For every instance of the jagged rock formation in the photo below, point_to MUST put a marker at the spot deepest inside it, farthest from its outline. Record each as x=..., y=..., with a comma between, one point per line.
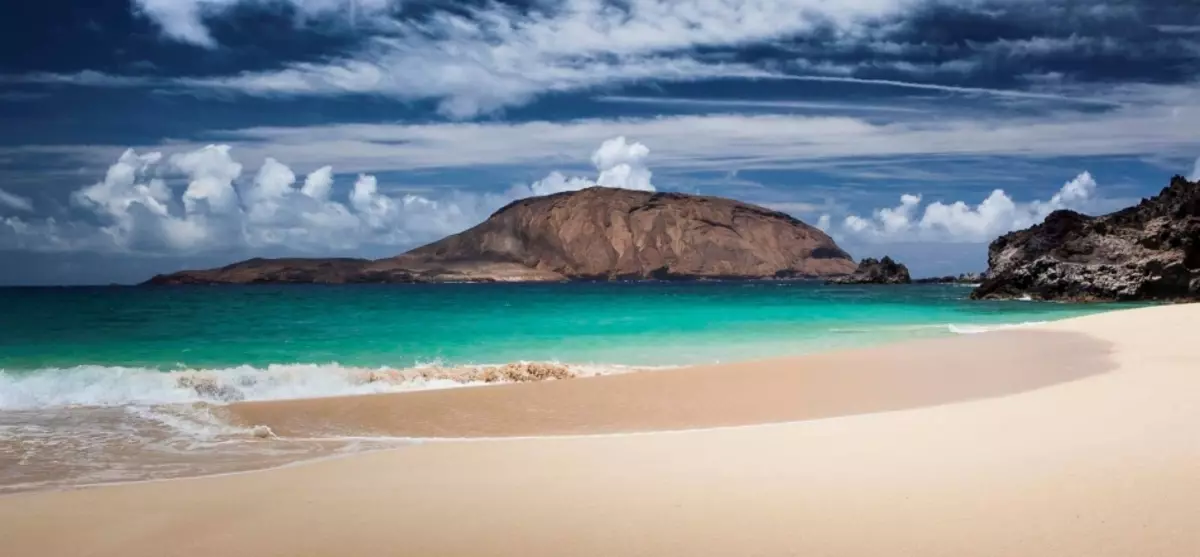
x=1147, y=252
x=592, y=234
x=872, y=271
x=964, y=278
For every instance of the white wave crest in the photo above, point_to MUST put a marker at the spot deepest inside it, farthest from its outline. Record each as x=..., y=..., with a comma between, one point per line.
x=976, y=329
x=114, y=386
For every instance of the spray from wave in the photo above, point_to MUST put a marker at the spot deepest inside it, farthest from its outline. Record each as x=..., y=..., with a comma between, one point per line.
x=116, y=386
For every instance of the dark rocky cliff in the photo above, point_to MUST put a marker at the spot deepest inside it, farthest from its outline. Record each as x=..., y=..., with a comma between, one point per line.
x=873, y=271
x=597, y=233
x=1150, y=251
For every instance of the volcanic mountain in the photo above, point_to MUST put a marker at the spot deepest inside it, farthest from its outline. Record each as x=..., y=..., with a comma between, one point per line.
x=592, y=234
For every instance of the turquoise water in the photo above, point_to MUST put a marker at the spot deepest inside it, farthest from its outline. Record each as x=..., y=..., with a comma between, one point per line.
x=99, y=384
x=112, y=346
x=402, y=326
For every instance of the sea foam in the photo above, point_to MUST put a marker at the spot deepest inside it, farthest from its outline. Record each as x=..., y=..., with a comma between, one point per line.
x=976, y=329
x=91, y=385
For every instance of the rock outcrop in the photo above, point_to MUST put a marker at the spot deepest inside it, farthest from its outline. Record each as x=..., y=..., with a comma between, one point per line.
x=592, y=234
x=1150, y=251
x=964, y=278
x=872, y=271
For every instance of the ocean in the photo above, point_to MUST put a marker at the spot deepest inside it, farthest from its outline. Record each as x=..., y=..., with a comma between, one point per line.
x=123, y=384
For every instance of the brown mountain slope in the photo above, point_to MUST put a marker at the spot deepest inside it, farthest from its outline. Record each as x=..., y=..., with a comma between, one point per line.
x=597, y=233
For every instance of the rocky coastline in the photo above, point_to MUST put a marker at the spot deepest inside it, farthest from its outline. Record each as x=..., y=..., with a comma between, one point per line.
x=1150, y=251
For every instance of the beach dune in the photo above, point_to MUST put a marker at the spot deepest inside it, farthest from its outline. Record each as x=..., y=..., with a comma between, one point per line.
x=1079, y=437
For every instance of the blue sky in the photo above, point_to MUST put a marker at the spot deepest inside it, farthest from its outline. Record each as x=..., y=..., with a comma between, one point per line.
x=144, y=136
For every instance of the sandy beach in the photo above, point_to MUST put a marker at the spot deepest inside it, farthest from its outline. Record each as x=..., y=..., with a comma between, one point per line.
x=1075, y=438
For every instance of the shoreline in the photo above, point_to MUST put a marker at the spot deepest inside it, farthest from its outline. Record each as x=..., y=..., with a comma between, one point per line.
x=796, y=388
x=1100, y=463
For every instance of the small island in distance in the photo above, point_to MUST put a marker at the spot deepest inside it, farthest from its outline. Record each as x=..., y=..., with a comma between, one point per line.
x=593, y=234
x=1150, y=251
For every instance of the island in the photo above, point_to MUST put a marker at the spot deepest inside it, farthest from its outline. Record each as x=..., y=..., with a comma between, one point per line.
x=876, y=271
x=593, y=234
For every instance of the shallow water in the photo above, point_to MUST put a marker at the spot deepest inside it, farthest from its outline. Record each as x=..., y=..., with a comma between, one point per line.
x=119, y=384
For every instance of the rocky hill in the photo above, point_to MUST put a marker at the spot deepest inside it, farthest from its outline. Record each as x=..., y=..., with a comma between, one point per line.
x=1150, y=251
x=592, y=234
x=876, y=271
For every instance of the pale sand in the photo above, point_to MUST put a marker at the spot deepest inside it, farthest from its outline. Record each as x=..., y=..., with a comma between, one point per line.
x=1093, y=465
x=895, y=377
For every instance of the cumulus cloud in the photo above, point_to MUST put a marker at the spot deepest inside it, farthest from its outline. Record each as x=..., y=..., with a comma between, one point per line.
x=201, y=200
x=620, y=165
x=134, y=209
x=15, y=202
x=963, y=222
x=1196, y=171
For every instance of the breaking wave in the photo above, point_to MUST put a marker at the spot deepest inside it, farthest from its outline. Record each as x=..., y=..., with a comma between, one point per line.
x=936, y=328
x=976, y=329
x=92, y=385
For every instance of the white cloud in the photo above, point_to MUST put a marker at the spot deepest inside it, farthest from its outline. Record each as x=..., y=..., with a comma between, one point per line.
x=1196, y=171
x=1159, y=122
x=183, y=20
x=319, y=183
x=758, y=104
x=496, y=55
x=483, y=57
x=138, y=211
x=960, y=222
x=557, y=182
x=211, y=171
x=620, y=165
x=179, y=19
x=84, y=78
x=16, y=202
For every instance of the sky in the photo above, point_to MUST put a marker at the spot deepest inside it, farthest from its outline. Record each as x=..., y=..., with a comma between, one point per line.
x=148, y=136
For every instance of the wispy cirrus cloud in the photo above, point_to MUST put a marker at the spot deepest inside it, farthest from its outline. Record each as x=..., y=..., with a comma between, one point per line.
x=482, y=58
x=1158, y=121
x=751, y=104
x=497, y=55
x=15, y=202
x=185, y=20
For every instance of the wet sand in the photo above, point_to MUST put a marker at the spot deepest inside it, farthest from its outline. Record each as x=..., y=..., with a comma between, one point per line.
x=1093, y=451
x=894, y=377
